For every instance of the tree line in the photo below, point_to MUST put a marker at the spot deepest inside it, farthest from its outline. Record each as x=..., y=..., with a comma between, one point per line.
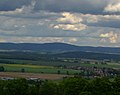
x=68, y=86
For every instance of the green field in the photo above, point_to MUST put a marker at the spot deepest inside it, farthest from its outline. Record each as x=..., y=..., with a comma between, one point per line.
x=57, y=63
x=40, y=62
x=37, y=69
x=53, y=64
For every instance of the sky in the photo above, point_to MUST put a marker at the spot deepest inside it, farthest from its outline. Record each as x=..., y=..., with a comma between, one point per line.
x=78, y=22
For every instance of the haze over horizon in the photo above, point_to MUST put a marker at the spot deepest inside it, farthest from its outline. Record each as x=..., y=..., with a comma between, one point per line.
x=77, y=22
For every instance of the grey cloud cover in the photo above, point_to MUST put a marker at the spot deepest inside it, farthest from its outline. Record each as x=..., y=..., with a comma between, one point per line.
x=7, y=5
x=81, y=6
x=81, y=22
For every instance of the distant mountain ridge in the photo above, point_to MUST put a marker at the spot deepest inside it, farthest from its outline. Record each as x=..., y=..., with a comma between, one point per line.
x=56, y=47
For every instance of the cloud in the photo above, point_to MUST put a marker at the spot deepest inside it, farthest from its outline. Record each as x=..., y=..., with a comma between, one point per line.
x=16, y=11
x=74, y=27
x=105, y=35
x=113, y=7
x=7, y=5
x=111, y=21
x=90, y=20
x=79, y=6
x=23, y=9
x=2, y=40
x=73, y=40
x=9, y=25
x=36, y=39
x=57, y=20
x=70, y=21
x=93, y=7
x=111, y=36
x=69, y=18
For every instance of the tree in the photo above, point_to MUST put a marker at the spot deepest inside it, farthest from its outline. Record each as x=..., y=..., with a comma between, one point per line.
x=2, y=69
x=16, y=87
x=22, y=70
x=73, y=86
x=58, y=72
x=68, y=86
x=116, y=86
x=85, y=93
x=48, y=88
x=2, y=86
x=67, y=72
x=100, y=86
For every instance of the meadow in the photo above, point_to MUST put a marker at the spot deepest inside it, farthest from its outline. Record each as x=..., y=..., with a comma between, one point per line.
x=37, y=69
x=39, y=63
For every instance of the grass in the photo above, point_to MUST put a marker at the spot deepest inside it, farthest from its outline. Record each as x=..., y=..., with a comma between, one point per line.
x=49, y=67
x=26, y=66
x=49, y=64
x=37, y=69
x=41, y=62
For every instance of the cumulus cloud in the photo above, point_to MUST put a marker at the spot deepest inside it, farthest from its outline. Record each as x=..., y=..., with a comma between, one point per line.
x=70, y=21
x=111, y=36
x=69, y=18
x=113, y=8
x=90, y=20
x=74, y=27
x=111, y=21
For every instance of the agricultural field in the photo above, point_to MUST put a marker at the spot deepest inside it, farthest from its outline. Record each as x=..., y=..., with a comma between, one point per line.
x=37, y=62
x=20, y=62
x=58, y=63
x=50, y=60
x=6, y=75
x=37, y=69
x=108, y=65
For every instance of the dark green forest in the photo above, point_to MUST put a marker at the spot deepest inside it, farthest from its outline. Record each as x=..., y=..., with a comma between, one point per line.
x=68, y=86
x=36, y=56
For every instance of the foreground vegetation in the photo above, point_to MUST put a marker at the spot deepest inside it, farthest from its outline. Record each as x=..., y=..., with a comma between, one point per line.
x=68, y=86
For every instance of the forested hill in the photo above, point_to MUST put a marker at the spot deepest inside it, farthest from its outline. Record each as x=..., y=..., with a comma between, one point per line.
x=21, y=55
x=56, y=47
x=88, y=55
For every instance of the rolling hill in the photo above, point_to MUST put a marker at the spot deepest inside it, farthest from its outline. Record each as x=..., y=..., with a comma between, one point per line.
x=56, y=48
x=22, y=54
